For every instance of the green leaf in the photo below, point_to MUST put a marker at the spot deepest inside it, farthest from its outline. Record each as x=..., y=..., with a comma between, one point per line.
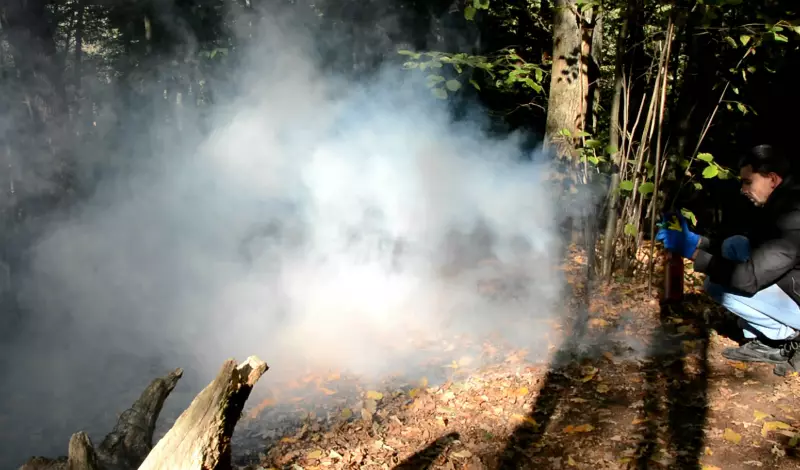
x=582, y=134
x=689, y=215
x=698, y=186
x=433, y=80
x=611, y=149
x=779, y=37
x=710, y=171
x=705, y=157
x=741, y=108
x=594, y=144
x=565, y=132
x=481, y=4
x=439, y=93
x=626, y=185
x=453, y=85
x=731, y=41
x=475, y=84
x=469, y=13
x=593, y=159
x=415, y=55
x=744, y=39
x=410, y=65
x=537, y=73
x=646, y=188
x=630, y=230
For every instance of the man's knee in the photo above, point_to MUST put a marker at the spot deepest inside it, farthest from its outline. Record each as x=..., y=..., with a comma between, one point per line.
x=736, y=248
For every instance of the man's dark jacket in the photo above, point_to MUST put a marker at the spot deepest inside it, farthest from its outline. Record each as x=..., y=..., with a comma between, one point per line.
x=774, y=248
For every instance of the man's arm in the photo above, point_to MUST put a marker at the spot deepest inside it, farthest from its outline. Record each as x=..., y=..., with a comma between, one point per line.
x=767, y=263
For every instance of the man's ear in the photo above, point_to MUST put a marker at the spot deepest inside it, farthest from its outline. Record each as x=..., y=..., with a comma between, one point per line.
x=776, y=179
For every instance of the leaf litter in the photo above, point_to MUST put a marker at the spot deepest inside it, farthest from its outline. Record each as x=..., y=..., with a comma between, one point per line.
x=609, y=409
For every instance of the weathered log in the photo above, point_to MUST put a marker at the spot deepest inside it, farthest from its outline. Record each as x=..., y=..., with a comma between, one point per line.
x=128, y=444
x=126, y=447
x=199, y=439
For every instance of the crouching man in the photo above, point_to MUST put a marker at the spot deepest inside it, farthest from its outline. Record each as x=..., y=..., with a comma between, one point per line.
x=757, y=278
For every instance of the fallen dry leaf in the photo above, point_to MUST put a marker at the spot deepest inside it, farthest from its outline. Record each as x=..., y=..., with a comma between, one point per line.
x=570, y=461
x=602, y=388
x=579, y=428
x=464, y=454
x=373, y=395
x=773, y=426
x=758, y=415
x=314, y=455
x=732, y=436
x=524, y=419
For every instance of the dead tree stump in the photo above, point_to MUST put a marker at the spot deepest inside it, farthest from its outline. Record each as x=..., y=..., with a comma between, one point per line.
x=200, y=438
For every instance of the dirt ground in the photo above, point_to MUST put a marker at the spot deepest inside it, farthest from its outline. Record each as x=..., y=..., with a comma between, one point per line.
x=646, y=387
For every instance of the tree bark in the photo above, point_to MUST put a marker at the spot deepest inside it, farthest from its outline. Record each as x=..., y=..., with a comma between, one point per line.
x=199, y=440
x=567, y=103
x=609, y=237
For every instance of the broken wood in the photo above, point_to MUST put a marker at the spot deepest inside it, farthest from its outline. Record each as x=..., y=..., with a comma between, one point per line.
x=200, y=438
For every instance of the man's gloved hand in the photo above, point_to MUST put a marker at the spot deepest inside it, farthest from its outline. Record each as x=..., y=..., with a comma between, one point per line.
x=677, y=238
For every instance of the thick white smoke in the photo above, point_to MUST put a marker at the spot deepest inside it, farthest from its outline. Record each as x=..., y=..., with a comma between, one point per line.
x=323, y=224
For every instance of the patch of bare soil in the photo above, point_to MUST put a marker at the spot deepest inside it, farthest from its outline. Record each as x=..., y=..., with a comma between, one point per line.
x=646, y=387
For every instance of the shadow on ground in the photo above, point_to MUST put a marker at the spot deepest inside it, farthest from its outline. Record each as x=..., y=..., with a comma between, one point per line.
x=424, y=458
x=669, y=428
x=676, y=390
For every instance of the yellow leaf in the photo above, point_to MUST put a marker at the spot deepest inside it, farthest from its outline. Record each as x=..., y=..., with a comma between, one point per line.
x=373, y=395
x=710, y=467
x=347, y=413
x=317, y=454
x=524, y=419
x=758, y=415
x=590, y=373
x=522, y=392
x=731, y=435
x=413, y=392
x=423, y=382
x=288, y=440
x=598, y=323
x=708, y=451
x=739, y=365
x=570, y=462
x=773, y=426
x=580, y=428
x=602, y=388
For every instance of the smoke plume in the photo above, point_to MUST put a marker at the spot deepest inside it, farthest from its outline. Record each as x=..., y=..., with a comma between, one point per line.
x=322, y=224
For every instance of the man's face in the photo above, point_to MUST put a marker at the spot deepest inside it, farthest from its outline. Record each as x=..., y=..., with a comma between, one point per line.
x=758, y=187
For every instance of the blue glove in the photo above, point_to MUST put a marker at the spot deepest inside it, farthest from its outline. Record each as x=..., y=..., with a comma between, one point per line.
x=676, y=236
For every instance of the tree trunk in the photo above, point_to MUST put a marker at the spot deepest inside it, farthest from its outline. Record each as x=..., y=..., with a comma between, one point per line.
x=567, y=103
x=609, y=237
x=200, y=438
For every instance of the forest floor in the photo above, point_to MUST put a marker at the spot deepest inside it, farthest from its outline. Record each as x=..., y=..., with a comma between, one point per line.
x=648, y=388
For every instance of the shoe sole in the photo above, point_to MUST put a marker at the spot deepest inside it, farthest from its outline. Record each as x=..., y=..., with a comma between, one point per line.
x=753, y=359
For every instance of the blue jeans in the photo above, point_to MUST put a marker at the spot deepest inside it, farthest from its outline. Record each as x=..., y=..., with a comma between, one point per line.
x=770, y=313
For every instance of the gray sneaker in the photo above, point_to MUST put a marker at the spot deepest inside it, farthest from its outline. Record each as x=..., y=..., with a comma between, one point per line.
x=757, y=351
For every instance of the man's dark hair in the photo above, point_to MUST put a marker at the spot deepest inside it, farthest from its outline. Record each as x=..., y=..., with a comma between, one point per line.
x=766, y=159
